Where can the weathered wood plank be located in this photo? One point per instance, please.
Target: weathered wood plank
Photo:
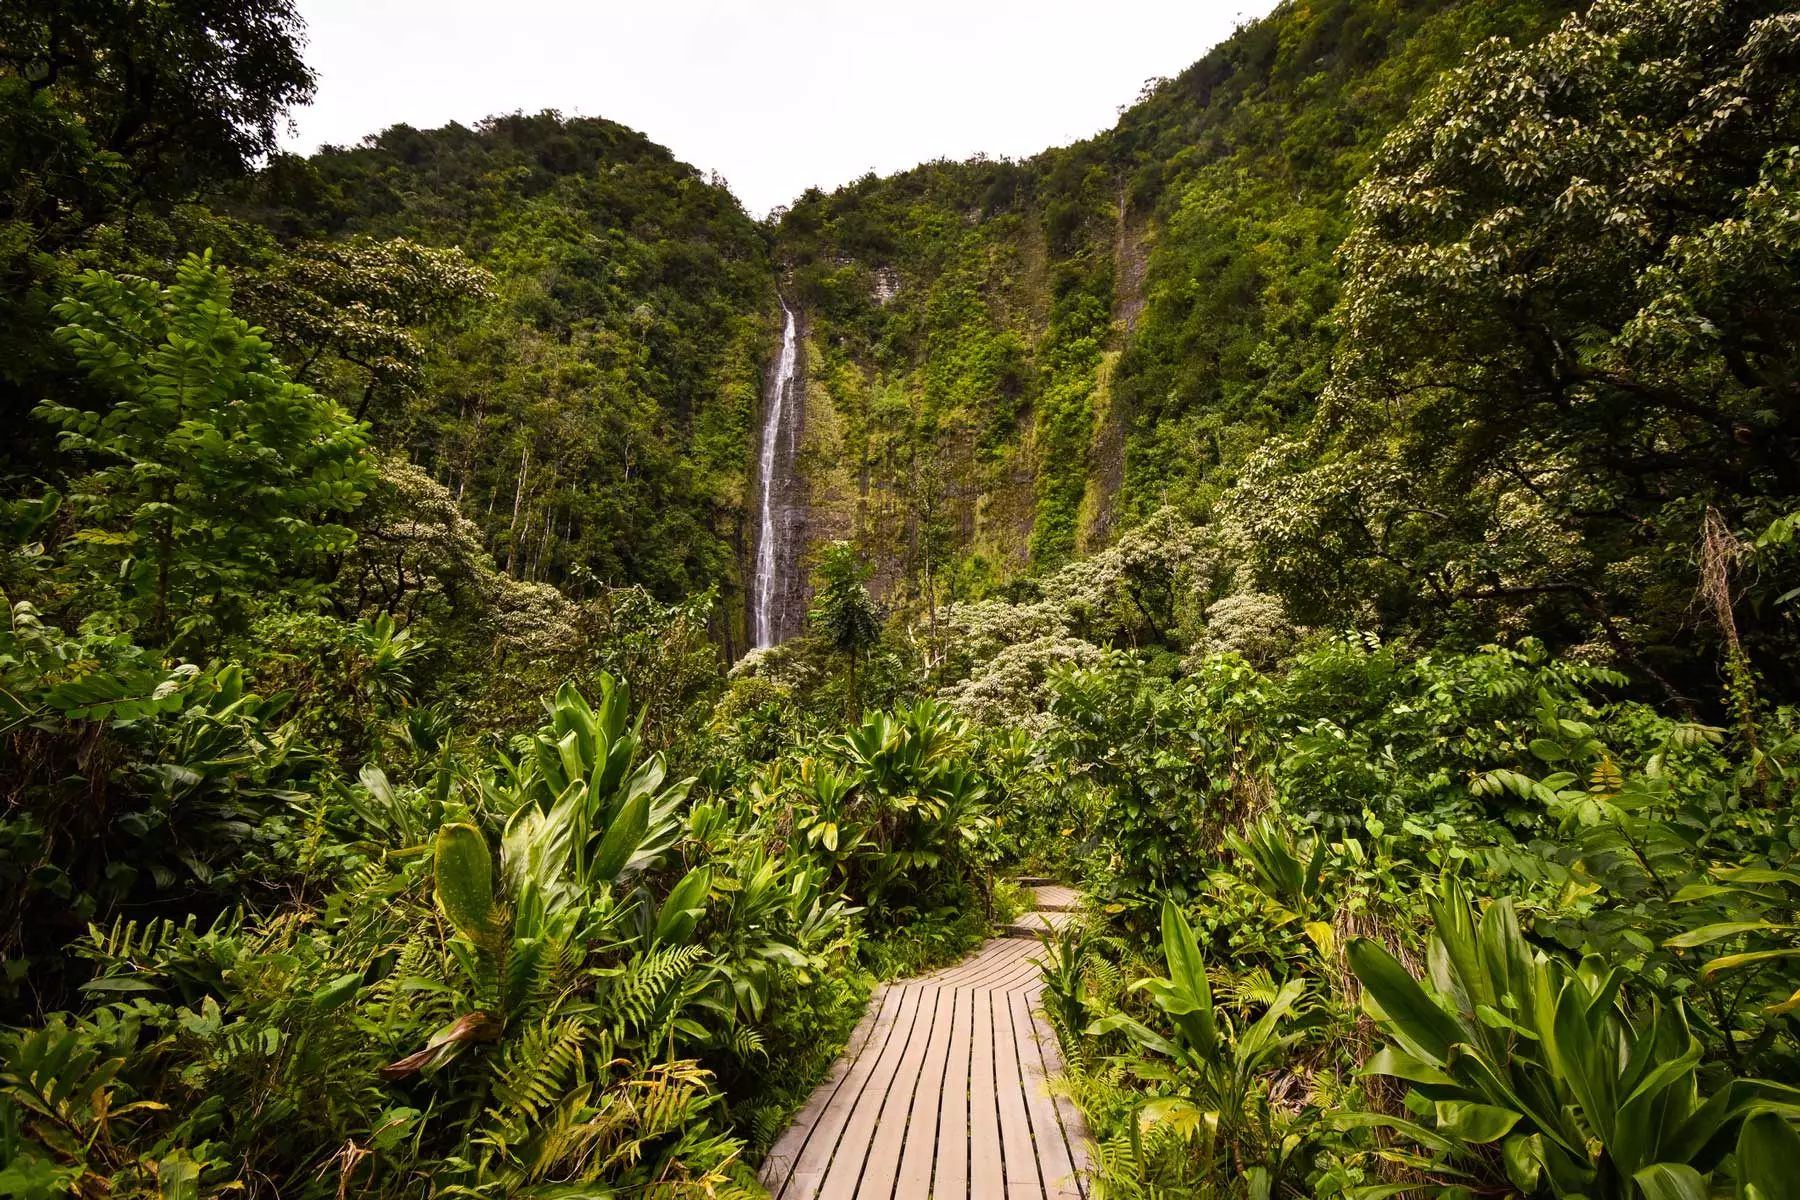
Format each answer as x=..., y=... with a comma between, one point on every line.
x=987, y=1169
x=853, y=1144
x=924, y=1121
x=1022, y=1181
x=816, y=1158
x=941, y=1093
x=1047, y=1132
x=951, y=1179
x=1074, y=1129
x=891, y=1128
x=784, y=1156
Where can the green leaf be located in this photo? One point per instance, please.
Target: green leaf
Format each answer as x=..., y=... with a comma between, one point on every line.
x=1475, y=1123
x=337, y=993
x=1733, y=961
x=464, y=874
x=178, y=1177
x=622, y=839
x=1409, y=1129
x=120, y=983
x=1671, y=1181
x=1768, y=1151
x=1390, y=1060
x=1713, y=933
x=1187, y=972
x=1524, y=1156
x=1548, y=750
x=683, y=907
x=1403, y=1010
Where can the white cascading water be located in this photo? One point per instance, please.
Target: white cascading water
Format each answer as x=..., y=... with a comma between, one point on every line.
x=774, y=422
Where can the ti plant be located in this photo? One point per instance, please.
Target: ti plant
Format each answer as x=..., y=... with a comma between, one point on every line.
x=584, y=817
x=1290, y=874
x=1067, y=952
x=1507, y=1048
x=1218, y=1062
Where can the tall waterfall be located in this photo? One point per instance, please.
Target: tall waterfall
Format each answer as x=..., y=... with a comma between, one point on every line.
x=776, y=419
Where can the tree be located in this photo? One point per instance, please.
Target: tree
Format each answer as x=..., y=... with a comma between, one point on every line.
x=186, y=91
x=220, y=473
x=843, y=613
x=1568, y=315
x=358, y=305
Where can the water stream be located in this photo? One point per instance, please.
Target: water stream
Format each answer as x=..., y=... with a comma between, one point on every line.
x=776, y=419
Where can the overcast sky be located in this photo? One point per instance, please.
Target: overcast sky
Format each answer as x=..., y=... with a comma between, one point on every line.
x=775, y=95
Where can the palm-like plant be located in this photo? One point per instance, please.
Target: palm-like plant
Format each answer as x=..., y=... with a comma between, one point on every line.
x=1217, y=1061
x=1513, y=1048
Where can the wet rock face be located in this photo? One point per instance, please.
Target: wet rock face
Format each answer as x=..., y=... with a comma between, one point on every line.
x=776, y=595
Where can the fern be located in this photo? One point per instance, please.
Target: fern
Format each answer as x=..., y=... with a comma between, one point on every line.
x=539, y=1067
x=640, y=995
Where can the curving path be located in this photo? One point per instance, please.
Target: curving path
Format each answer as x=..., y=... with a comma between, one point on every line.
x=942, y=1094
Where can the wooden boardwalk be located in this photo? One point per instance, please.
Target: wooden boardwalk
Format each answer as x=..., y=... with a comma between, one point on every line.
x=942, y=1094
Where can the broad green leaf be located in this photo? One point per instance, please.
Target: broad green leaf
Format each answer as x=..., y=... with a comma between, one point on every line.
x=1475, y=1123
x=1785, y=1007
x=1733, y=961
x=1403, y=1008
x=1760, y=875
x=1409, y=1129
x=1768, y=1158
x=1713, y=933
x=1187, y=972
x=1671, y=1181
x=621, y=839
x=685, y=904
x=338, y=992
x=464, y=874
x=1523, y=1155
x=1390, y=1060
x=1548, y=750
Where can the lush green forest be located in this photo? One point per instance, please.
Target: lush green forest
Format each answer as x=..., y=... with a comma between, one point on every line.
x=1342, y=518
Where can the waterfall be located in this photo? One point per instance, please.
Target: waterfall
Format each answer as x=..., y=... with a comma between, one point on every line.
x=775, y=420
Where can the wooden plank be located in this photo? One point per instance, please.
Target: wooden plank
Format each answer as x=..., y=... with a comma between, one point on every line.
x=782, y=1158
x=996, y=953
x=987, y=1169
x=1004, y=961
x=891, y=1128
x=1056, y=897
x=951, y=1178
x=941, y=1093
x=924, y=1121
x=1022, y=1182
x=853, y=1146
x=1054, y=1163
x=1022, y=975
x=821, y=1145
x=1074, y=1129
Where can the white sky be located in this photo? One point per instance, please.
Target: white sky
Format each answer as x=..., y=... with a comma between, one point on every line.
x=775, y=95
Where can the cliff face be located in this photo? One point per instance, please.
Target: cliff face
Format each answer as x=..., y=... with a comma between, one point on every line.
x=1002, y=364
x=1010, y=362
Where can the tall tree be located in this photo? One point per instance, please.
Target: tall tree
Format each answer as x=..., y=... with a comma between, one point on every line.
x=843, y=613
x=219, y=475
x=185, y=91
x=1569, y=327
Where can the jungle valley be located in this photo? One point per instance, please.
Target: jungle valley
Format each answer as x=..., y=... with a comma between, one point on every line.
x=507, y=654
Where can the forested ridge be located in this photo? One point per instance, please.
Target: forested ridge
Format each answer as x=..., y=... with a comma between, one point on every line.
x=1342, y=519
